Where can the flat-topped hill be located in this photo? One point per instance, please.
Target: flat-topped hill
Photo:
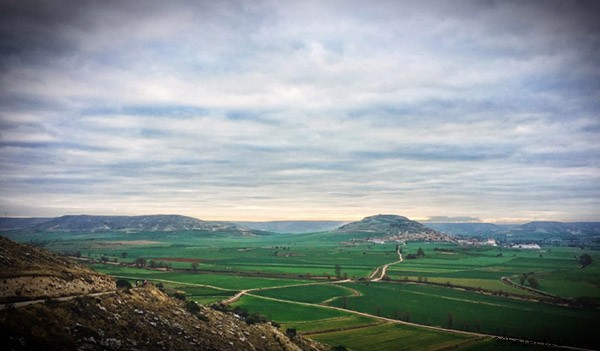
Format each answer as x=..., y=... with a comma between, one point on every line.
x=393, y=227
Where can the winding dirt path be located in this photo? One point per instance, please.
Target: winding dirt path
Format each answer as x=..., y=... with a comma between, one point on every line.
x=384, y=268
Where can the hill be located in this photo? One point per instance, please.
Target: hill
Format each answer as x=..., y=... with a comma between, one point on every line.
x=136, y=319
x=558, y=229
x=150, y=223
x=292, y=226
x=470, y=229
x=393, y=227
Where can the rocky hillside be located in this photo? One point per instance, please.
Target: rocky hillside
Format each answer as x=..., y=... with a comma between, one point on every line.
x=27, y=273
x=151, y=223
x=136, y=319
x=393, y=227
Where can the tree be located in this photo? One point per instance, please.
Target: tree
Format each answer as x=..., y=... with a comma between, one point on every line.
x=450, y=320
x=140, y=262
x=194, y=266
x=124, y=254
x=533, y=282
x=420, y=252
x=585, y=260
x=338, y=271
x=522, y=278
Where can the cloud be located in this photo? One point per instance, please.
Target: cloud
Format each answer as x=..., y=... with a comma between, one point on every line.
x=445, y=219
x=281, y=110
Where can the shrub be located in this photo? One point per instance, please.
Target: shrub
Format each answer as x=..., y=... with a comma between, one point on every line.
x=220, y=307
x=123, y=284
x=255, y=318
x=192, y=307
x=179, y=296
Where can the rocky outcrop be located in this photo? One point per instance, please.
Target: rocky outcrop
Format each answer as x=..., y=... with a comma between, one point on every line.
x=42, y=287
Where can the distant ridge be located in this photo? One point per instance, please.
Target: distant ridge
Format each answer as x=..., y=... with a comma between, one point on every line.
x=292, y=226
x=557, y=228
x=470, y=229
x=149, y=223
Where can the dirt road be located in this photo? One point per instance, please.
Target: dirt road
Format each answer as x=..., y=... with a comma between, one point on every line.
x=383, y=269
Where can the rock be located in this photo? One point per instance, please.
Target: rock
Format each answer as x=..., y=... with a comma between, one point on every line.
x=111, y=344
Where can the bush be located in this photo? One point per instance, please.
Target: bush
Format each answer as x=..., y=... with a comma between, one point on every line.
x=192, y=307
x=255, y=318
x=123, y=284
x=179, y=296
x=220, y=307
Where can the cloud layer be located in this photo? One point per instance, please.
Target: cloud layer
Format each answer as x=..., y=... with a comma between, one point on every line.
x=301, y=110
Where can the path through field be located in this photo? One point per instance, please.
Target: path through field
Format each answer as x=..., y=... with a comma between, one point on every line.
x=383, y=269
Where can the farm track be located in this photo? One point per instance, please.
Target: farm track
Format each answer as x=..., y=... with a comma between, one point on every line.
x=509, y=282
x=333, y=330
x=383, y=269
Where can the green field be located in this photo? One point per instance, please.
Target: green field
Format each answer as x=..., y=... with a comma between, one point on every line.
x=393, y=337
x=470, y=311
x=311, y=293
x=286, y=312
x=225, y=281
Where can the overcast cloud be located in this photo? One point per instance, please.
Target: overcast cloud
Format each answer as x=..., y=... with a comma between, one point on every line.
x=267, y=110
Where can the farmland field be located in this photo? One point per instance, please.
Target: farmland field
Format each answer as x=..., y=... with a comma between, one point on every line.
x=318, y=286
x=470, y=311
x=393, y=337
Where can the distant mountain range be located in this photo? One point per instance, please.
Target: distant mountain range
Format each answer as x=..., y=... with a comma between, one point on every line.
x=151, y=223
x=374, y=226
x=470, y=229
x=543, y=228
x=537, y=229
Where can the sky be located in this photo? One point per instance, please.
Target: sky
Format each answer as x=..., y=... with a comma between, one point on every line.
x=304, y=110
